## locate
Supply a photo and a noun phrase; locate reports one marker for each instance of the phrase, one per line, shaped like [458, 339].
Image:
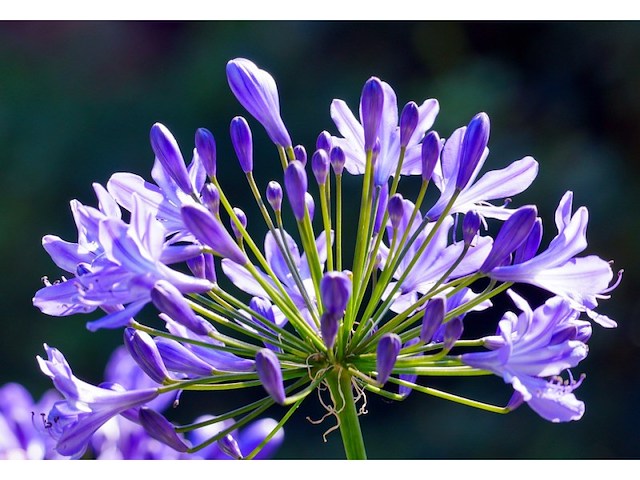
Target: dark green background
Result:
[77, 100]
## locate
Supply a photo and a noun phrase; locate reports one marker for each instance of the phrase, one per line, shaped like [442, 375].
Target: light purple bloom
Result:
[129, 264]
[582, 281]
[256, 90]
[167, 151]
[493, 185]
[85, 408]
[22, 429]
[534, 345]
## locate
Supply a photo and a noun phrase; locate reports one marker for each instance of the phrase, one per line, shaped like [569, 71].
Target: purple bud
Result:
[243, 221]
[408, 122]
[433, 318]
[269, 373]
[209, 231]
[160, 428]
[530, 246]
[202, 266]
[295, 182]
[386, 356]
[229, 446]
[169, 300]
[513, 233]
[382, 199]
[470, 226]
[337, 160]
[452, 333]
[320, 166]
[300, 154]
[310, 203]
[329, 328]
[324, 142]
[206, 147]
[396, 210]
[256, 90]
[371, 105]
[335, 290]
[211, 198]
[166, 149]
[274, 195]
[242, 143]
[143, 350]
[475, 140]
[178, 358]
[431, 146]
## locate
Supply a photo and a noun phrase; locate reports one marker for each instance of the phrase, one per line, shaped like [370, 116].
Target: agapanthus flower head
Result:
[299, 313]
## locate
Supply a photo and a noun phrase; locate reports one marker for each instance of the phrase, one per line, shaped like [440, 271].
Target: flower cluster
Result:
[295, 316]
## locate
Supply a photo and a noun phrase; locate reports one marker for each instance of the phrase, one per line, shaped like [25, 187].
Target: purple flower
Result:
[475, 194]
[533, 345]
[85, 407]
[129, 264]
[581, 281]
[256, 90]
[206, 149]
[22, 430]
[353, 137]
[335, 288]
[242, 143]
[295, 182]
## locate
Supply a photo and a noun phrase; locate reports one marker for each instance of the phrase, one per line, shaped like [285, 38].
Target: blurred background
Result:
[77, 100]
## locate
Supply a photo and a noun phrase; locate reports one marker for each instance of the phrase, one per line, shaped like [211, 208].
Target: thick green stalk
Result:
[339, 383]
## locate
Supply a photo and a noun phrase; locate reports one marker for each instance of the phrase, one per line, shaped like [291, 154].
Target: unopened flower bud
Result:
[530, 246]
[431, 147]
[300, 154]
[452, 333]
[386, 356]
[324, 142]
[470, 226]
[210, 232]
[335, 289]
[165, 147]
[206, 147]
[311, 204]
[320, 166]
[178, 358]
[476, 138]
[158, 427]
[143, 350]
[274, 195]
[256, 90]
[295, 182]
[371, 105]
[396, 210]
[211, 198]
[229, 446]
[270, 375]
[338, 160]
[408, 122]
[433, 317]
[243, 221]
[169, 300]
[242, 143]
[512, 234]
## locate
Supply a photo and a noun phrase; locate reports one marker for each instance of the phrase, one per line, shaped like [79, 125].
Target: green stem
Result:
[339, 383]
